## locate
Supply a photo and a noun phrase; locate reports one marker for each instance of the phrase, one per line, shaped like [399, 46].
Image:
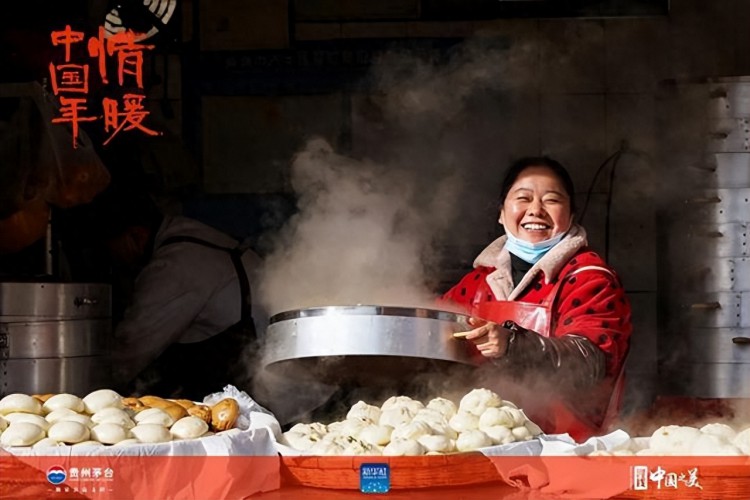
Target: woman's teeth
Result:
[535, 227]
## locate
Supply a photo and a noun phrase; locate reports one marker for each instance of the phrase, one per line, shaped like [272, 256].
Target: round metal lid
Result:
[367, 344]
[371, 310]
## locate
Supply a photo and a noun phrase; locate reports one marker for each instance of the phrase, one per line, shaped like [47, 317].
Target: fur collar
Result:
[496, 256]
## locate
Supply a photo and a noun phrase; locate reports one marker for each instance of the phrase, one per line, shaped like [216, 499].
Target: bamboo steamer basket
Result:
[338, 472]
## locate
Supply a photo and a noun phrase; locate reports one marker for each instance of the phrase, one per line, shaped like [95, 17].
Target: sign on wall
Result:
[71, 81]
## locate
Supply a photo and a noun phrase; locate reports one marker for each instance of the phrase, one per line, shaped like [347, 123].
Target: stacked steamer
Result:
[104, 418]
[54, 337]
[705, 271]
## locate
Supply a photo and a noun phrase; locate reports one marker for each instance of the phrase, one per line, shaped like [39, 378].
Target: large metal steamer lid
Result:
[365, 342]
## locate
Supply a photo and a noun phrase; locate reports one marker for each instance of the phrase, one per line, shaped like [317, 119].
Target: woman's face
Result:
[537, 206]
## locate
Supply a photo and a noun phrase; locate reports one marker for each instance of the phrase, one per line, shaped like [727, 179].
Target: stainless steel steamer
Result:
[366, 344]
[707, 250]
[54, 337]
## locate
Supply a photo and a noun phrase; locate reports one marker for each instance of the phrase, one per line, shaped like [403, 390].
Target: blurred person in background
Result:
[187, 327]
[546, 307]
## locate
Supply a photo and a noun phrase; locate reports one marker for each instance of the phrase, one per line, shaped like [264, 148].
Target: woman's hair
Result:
[538, 161]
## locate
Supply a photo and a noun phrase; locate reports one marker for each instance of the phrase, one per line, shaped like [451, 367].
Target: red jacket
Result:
[592, 305]
[589, 302]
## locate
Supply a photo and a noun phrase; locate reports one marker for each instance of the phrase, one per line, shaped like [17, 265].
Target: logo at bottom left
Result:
[56, 474]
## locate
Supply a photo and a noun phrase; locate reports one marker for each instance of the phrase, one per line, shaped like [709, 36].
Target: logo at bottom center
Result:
[374, 478]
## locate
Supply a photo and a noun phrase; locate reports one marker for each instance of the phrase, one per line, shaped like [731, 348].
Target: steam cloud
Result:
[357, 238]
[374, 223]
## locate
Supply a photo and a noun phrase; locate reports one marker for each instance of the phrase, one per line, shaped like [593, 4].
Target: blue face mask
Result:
[531, 252]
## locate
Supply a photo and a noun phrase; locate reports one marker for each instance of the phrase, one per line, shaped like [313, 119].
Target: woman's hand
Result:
[490, 339]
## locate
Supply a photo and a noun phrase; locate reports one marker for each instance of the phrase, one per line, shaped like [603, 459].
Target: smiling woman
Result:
[544, 304]
[537, 210]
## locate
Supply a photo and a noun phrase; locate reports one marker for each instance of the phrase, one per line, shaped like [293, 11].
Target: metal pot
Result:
[731, 170]
[729, 97]
[78, 376]
[54, 337]
[716, 380]
[706, 266]
[57, 339]
[714, 310]
[716, 274]
[719, 345]
[719, 240]
[719, 206]
[729, 135]
[365, 343]
[35, 301]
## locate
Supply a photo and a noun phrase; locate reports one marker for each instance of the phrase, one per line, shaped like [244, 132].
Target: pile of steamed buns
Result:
[405, 426]
[103, 418]
[713, 439]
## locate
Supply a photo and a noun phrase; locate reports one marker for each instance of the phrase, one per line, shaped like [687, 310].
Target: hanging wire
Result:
[614, 158]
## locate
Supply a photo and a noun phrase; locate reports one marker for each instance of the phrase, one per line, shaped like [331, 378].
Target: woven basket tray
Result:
[406, 472]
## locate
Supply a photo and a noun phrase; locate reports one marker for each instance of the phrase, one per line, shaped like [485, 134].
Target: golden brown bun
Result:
[155, 401]
[185, 403]
[224, 414]
[175, 411]
[203, 412]
[134, 404]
